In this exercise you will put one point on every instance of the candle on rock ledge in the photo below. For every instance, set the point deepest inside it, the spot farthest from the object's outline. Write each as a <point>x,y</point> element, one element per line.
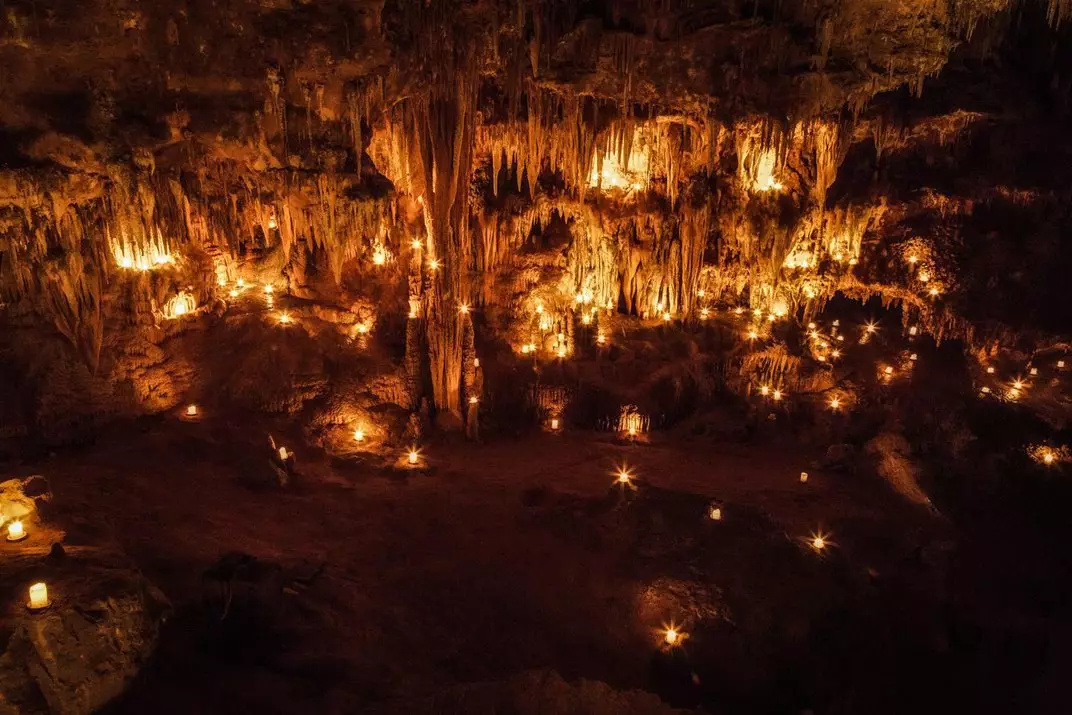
<point>38,596</point>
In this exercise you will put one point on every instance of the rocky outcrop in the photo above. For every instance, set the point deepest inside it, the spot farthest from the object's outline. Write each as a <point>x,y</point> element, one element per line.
<point>83,651</point>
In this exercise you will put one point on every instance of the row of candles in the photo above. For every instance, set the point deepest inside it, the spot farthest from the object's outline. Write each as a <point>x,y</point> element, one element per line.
<point>16,531</point>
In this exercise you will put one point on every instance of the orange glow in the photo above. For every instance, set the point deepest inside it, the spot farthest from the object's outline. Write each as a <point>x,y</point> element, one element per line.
<point>764,390</point>
<point>359,435</point>
<point>673,636</point>
<point>415,245</point>
<point>835,404</point>
<point>379,254</point>
<point>191,410</point>
<point>870,328</point>
<point>666,317</point>
<point>179,305</point>
<point>268,289</point>
<point>704,313</point>
<point>233,293</point>
<point>16,531</point>
<point>752,335</point>
<point>586,319</point>
<point>413,456</point>
<point>777,395</point>
<point>601,338</point>
<point>463,308</point>
<point>284,318</point>
<point>819,541</point>
<point>433,264</point>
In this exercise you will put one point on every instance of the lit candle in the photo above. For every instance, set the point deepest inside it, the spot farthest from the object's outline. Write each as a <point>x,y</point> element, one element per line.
<point>1047,457</point>
<point>191,410</point>
<point>818,542</point>
<point>283,454</point>
<point>16,531</point>
<point>359,435</point>
<point>554,423</point>
<point>990,371</point>
<point>473,400</point>
<point>624,477</point>
<point>672,636</point>
<point>413,456</point>
<point>632,430</point>
<point>715,513</point>
<point>463,308</point>
<point>835,403</point>
<point>268,289</point>
<point>1034,371</point>
<point>1060,363</point>
<point>38,596</point>
<point>803,477</point>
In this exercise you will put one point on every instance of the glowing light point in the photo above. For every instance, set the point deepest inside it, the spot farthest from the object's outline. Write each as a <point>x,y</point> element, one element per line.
<point>561,352</point>
<point>818,542</point>
<point>586,319</point>
<point>433,264</point>
<point>672,636</point>
<point>913,357</point>
<point>463,308</point>
<point>191,410</point>
<point>240,283</point>
<point>268,289</point>
<point>1047,457</point>
<point>16,531</point>
<point>888,370</point>
<point>777,396</point>
<point>415,245</point>
<point>1060,363</point>
<point>1033,371</point>
<point>764,390</point>
<point>835,404</point>
<point>38,597</point>
<point>913,259</point>
<point>554,423</point>
<point>283,453</point>
<point>233,293</point>
<point>715,513</point>
<point>624,477</point>
<point>924,277</point>
<point>285,319</point>
<point>1018,385</point>
<point>379,255</point>
<point>990,371</point>
<point>474,400</point>
<point>752,335</point>
<point>803,477</point>
<point>413,456</point>
<point>359,435</point>
<point>870,328</point>
<point>666,317</point>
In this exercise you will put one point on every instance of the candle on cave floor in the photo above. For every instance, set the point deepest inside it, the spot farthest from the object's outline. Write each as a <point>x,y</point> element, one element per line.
<point>191,410</point>
<point>413,456</point>
<point>554,423</point>
<point>1060,363</point>
<point>359,435</point>
<point>818,542</point>
<point>715,513</point>
<point>38,596</point>
<point>283,454</point>
<point>803,477</point>
<point>672,637</point>
<point>16,531</point>
<point>474,400</point>
<point>1033,371</point>
<point>624,477</point>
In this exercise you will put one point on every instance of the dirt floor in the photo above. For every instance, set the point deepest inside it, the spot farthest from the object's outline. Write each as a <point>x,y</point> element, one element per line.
<point>523,554</point>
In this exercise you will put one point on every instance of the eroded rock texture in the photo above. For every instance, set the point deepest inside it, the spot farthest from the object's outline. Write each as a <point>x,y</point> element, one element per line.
<point>403,175</point>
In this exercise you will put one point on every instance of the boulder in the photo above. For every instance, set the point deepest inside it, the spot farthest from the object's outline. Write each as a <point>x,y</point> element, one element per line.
<point>83,651</point>
<point>22,498</point>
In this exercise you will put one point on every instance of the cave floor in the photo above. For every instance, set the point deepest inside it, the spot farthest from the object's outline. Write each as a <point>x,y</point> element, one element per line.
<point>520,554</point>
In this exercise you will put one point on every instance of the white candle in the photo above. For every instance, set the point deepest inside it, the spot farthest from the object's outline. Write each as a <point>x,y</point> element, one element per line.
<point>413,457</point>
<point>554,423</point>
<point>38,595</point>
<point>191,410</point>
<point>15,531</point>
<point>803,477</point>
<point>283,453</point>
<point>716,513</point>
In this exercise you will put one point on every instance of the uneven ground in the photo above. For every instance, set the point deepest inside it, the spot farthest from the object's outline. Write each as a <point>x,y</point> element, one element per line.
<point>519,555</point>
